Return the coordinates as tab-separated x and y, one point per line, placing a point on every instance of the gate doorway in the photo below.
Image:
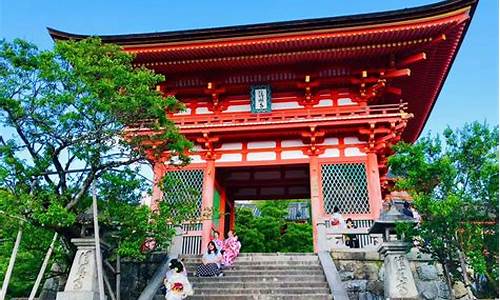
253	186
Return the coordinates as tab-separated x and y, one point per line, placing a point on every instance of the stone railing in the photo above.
336	238
331	238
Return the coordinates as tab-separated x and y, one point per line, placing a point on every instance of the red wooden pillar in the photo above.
374	191
158	172
232	215
316	207
222	212
207	202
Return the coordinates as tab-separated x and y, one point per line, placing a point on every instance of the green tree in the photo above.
271	232
64	115
297	238
454	182
252	240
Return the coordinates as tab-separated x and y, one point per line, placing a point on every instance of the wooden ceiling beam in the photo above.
412	59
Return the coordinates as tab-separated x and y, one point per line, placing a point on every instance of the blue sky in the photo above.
470	92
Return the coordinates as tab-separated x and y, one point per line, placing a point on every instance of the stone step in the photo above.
314	296
278	254
251	262
268	258
272	272
273	258
261	291
240	284
243	254
260	278
265	267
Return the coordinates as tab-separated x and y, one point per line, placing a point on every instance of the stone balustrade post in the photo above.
322	242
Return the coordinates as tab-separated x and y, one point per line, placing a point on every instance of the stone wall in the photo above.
134	278
362	274
135	275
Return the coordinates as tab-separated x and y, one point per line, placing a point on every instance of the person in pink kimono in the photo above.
231	249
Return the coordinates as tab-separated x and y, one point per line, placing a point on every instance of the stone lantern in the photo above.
398	278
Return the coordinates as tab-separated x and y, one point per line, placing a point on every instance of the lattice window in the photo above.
345	186
185	187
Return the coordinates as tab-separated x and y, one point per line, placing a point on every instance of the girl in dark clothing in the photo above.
352	240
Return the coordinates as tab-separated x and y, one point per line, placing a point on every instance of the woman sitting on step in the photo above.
210	262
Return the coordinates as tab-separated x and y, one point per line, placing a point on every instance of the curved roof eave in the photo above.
276	27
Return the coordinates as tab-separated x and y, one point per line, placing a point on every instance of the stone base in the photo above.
72	295
362	274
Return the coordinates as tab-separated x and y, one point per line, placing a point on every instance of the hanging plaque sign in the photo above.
260	96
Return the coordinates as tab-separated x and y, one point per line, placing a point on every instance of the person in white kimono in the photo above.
337	221
176	282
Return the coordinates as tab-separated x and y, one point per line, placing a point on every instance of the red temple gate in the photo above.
303	109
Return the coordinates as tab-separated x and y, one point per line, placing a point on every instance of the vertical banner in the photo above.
260	96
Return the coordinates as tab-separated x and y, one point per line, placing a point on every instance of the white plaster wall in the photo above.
330	153
331	141
353	151
228	157
293	154
345	101
262	144
285	105
238	108
349	140
291	143
325	103
202	111
231	146
255	156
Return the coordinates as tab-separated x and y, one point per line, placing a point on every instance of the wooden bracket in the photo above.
209	144
313	138
308	86
217	104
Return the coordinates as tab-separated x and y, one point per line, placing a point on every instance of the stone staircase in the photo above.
263	276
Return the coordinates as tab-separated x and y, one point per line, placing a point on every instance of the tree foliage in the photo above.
64	115
453	179
271	232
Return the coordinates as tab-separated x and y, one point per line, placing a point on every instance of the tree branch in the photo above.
68	163
116	164
59	168
95	173
83	190
26	142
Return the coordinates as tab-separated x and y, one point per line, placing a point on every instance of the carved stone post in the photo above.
398	279
82	280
